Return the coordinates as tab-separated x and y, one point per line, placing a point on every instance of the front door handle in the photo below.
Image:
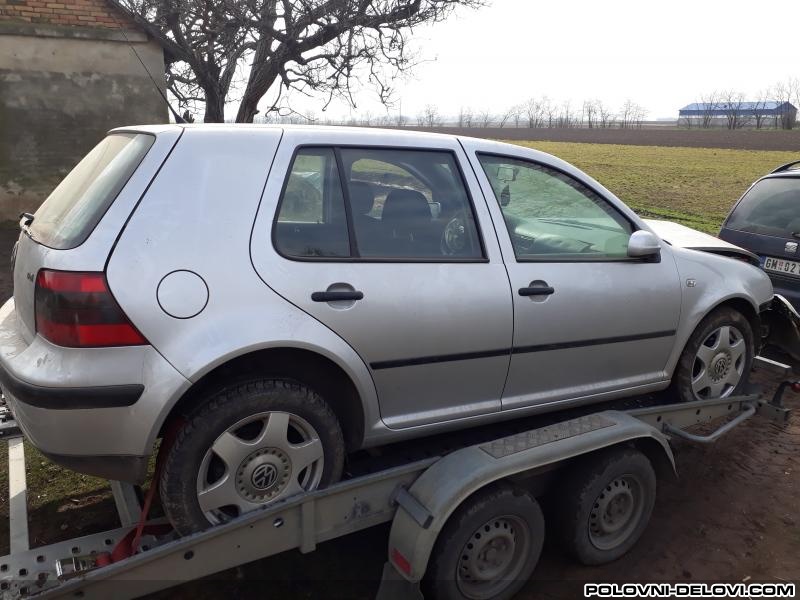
337	296
536	291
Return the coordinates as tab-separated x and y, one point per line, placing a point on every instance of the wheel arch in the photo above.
741	304
302	365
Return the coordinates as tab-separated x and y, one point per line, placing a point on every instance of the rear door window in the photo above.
76	206
409	205
312	222
770	207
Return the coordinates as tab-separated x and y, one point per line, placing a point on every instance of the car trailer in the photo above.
469	519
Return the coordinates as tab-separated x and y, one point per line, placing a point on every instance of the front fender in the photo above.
708	281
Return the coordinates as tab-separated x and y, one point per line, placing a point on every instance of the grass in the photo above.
693	186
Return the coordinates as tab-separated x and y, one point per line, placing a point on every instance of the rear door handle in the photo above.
336	296
536	291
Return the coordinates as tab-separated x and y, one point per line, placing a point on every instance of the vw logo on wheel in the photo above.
264	476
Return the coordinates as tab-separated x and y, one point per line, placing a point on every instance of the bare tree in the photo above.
534	112
787	92
518	113
709	105
429	117
465	117
280	46
506	115
565	115
732	104
485	117
551	111
604	115
759	111
590	113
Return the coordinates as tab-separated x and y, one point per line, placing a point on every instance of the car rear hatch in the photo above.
766	221
77	225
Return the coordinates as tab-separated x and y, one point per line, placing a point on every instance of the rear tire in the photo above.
605	504
488	548
248	445
717	358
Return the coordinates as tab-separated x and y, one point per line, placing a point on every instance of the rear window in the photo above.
75	207
771	207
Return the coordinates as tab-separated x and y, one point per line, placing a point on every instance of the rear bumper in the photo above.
95	410
107	396
131	469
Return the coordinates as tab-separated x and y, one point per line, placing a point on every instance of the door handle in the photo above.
337	296
536	291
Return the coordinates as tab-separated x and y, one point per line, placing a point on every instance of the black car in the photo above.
766	221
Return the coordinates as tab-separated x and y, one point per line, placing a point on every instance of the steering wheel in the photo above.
454	237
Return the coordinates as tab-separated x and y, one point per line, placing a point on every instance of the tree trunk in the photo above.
247	109
215	107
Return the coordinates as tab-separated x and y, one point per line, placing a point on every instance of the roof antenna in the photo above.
178	118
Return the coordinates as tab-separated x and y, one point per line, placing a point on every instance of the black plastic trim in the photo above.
594	342
336	296
70	398
536	291
128	468
425	360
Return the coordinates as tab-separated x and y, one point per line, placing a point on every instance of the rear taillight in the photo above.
77	310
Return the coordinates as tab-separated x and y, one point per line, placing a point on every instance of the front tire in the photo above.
249	445
717	358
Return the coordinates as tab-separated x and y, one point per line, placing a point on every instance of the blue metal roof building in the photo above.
748	109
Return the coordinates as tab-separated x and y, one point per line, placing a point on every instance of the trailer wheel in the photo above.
488	548
605	505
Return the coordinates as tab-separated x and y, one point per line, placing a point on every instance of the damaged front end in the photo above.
781	329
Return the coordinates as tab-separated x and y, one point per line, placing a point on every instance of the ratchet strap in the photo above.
128	545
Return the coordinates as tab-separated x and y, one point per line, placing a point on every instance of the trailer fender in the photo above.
425	507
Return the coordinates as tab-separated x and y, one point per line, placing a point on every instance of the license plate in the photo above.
779	265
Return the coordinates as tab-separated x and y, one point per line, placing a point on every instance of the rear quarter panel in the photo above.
198	216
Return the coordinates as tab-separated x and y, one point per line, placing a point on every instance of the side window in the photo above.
311	218
551	215
409	204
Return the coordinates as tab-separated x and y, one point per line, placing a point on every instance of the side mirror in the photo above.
643	244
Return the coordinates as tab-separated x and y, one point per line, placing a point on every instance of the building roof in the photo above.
769	106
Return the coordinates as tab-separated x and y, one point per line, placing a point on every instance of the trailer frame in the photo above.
417	498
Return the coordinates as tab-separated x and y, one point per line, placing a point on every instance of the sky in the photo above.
661	54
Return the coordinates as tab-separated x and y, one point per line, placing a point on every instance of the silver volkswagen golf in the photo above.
269	299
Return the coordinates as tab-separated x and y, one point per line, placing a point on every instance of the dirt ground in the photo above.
743	139
732	515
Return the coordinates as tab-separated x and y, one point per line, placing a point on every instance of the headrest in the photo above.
401	205
362	197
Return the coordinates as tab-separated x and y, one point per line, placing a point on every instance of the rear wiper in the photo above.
25	220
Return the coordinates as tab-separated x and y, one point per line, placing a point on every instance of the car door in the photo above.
588	320
383	245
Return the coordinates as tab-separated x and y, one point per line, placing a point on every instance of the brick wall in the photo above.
80	13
